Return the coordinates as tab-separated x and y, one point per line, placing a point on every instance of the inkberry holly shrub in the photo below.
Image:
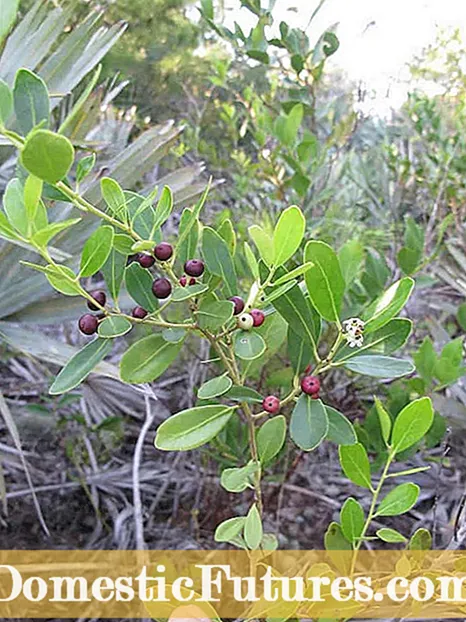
189	288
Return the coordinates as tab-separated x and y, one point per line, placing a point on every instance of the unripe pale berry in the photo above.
88	324
100	297
271	404
161	288
163	251
245	321
257	316
310	385
239	304
146	261
194	267
139	313
183	281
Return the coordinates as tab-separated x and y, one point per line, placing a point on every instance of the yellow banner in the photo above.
232	584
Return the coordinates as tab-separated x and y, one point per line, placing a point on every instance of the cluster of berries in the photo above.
309	385
246	321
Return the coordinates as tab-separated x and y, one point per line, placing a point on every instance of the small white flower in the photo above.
354	340
353	331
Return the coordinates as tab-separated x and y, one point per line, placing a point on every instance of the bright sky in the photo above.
378	37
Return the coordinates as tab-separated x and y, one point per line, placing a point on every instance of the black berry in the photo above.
239	304
139	313
192	281
88	324
162	288
194	267
100	297
163	251
146	261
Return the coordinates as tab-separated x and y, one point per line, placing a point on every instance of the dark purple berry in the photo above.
146	261
162	288
88	324
271	404
194	267
239	304
310	385
139	313
100	297
183	281
163	251
258	317
192	281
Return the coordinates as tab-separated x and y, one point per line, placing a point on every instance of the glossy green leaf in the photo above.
81	365
227	233
32	193
251	261
229	529
190	291
238	479
163	208
187	250
85	166
63	279
43	237
299	351
340	429
96	250
147	359
8	11
31	101
263	242
412	423
218	260
214	387
421	540
355	464
138	282
114	326
350	257
140	212
174	335
6	101
6	230
113	272
114	197
385	420
324	280
192	428
248	345
390	535
288	234
212	315
388	305
399	500
244	394
48	156
335	539
271	438
293	274
379	366
13	204
352	519
253	528
191	222
309	423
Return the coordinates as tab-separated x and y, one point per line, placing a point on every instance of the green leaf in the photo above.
239	479
399	500
6	230
48	156
138	282
251	261
214	314
187	250
96	251
253	528
379	366
80	366
309	423
388	305
244	394
114	326
147	359
113	272
218	259
227	233
384	419
335	539
340	429
63	279
324	280
352	519
271	438
140	212
214	388
190	291
174	335
248	345
350	257
163	209
229	529
85	166
8	11
43	236
421	540
288	235
293	274
191	222
412	423
6	101
13	204
299	351
123	243
192	428
31	101
461	316
384	340
263	242
114	197
32	193
390	535
355	464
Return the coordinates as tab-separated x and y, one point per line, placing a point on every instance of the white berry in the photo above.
245	321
